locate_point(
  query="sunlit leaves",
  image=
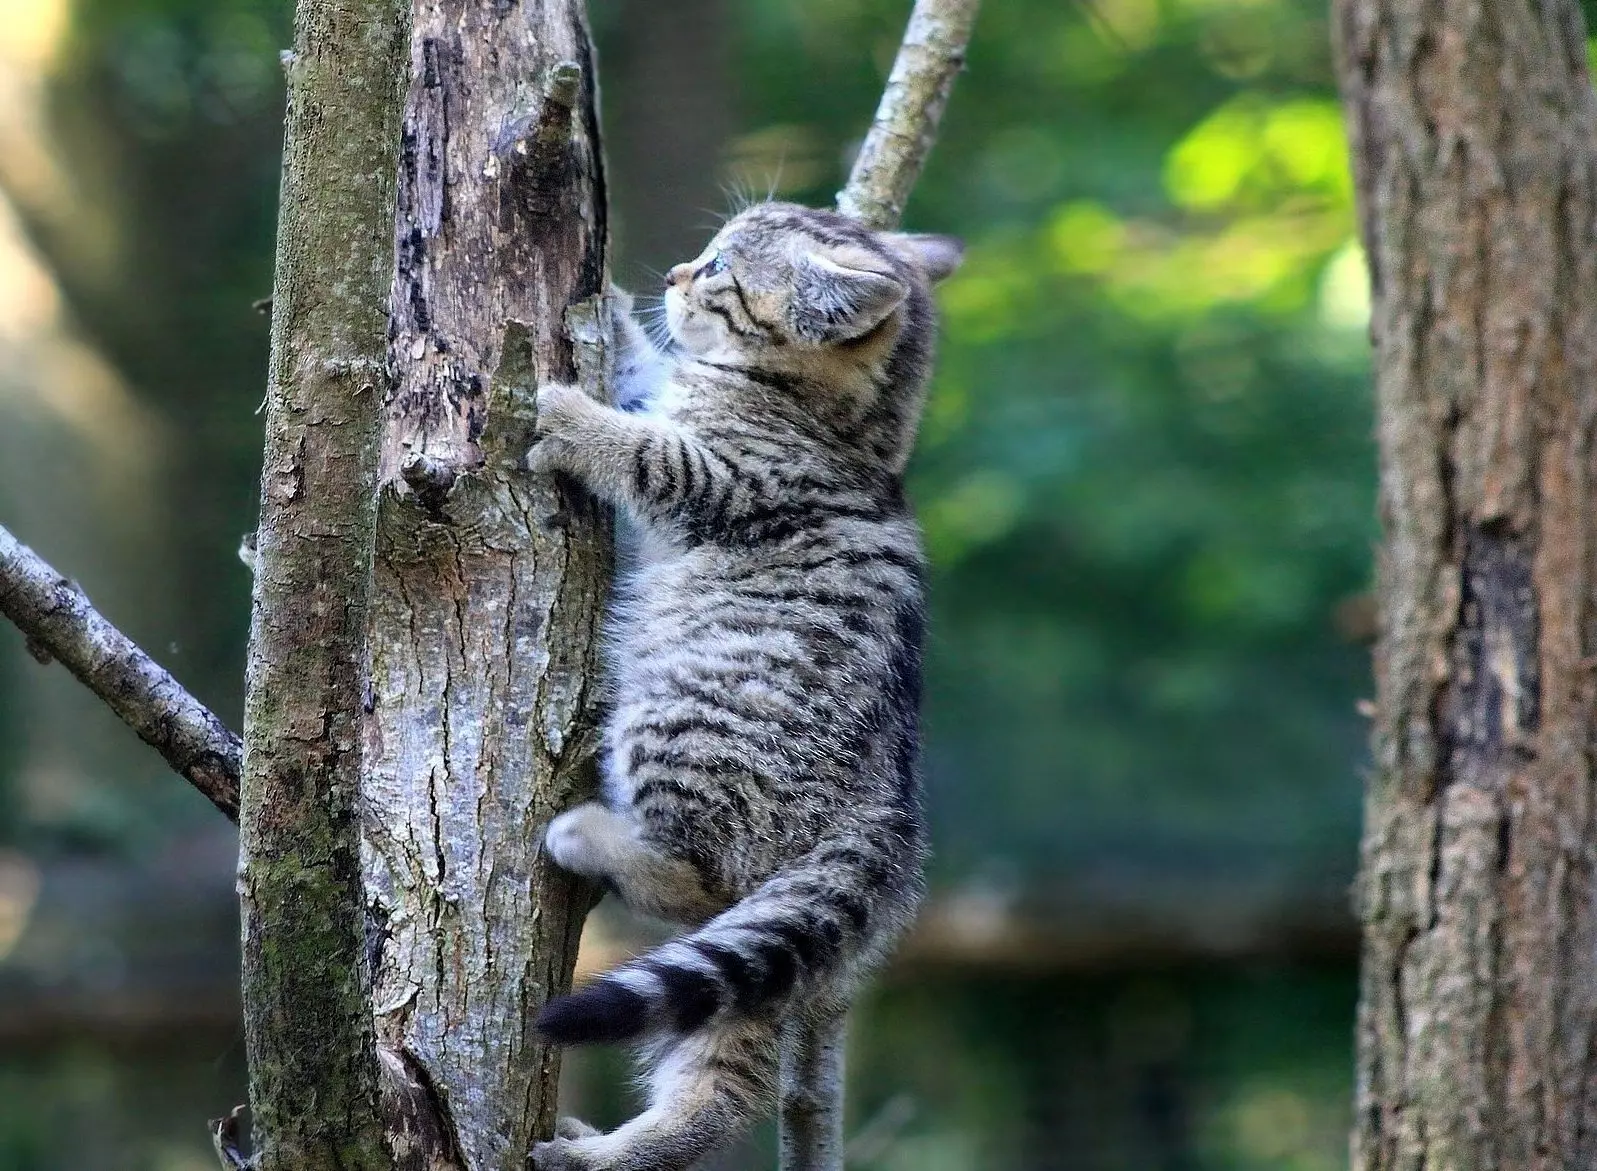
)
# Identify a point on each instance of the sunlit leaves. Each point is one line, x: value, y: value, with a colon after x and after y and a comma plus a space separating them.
x: 1254, y: 153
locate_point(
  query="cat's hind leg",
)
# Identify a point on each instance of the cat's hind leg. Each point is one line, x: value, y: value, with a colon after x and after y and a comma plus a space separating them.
x: 598, y: 843
x: 704, y: 1090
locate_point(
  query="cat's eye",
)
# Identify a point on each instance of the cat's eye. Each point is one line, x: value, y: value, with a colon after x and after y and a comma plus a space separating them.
x: 711, y: 267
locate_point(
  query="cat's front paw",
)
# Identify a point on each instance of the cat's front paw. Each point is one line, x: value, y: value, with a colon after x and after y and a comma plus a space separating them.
x: 559, y: 415
x: 575, y: 1147
x: 560, y: 410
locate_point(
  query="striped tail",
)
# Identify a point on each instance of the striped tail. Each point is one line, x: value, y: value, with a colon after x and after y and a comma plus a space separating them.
x: 800, y: 929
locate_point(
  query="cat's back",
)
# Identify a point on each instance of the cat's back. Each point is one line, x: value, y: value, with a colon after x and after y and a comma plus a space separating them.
x: 781, y: 656
x: 839, y: 587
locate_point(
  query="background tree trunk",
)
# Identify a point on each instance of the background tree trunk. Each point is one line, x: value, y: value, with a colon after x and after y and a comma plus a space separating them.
x: 489, y: 584
x: 1474, y: 132
x: 666, y: 129
x: 307, y: 1009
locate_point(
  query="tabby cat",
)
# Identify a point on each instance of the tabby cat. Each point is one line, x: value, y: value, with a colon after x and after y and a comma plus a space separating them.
x: 760, y: 756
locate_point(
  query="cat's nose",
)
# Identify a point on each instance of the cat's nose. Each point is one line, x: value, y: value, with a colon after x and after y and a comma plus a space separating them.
x: 678, y: 274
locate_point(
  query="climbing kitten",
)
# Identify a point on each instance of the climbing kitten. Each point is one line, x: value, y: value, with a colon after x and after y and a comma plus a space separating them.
x: 760, y: 774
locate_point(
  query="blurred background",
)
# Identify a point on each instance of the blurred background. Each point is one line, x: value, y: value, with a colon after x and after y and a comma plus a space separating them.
x: 1146, y: 477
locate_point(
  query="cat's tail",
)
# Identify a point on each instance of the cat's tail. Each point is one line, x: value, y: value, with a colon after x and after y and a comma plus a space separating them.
x: 815, y: 925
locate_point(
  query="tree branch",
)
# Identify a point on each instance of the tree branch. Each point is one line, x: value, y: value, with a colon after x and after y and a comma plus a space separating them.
x: 889, y: 162
x: 59, y: 623
x: 811, y: 1102
x: 901, y: 136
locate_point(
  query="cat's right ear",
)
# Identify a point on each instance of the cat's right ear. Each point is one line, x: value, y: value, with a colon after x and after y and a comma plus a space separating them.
x: 937, y: 256
x: 833, y: 302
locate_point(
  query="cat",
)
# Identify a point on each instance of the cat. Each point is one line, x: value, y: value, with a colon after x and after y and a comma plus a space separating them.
x: 760, y: 771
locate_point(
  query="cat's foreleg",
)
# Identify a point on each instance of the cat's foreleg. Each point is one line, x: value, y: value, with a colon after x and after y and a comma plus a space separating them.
x: 648, y: 465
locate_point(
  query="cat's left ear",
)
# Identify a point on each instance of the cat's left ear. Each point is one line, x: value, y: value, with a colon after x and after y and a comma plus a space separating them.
x: 937, y: 256
x: 835, y: 303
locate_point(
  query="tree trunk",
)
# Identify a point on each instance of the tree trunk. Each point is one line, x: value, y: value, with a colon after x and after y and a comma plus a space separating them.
x: 1474, y: 133
x: 489, y: 582
x: 307, y: 1011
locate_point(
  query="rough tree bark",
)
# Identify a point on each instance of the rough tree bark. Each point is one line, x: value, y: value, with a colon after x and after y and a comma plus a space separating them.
x: 489, y: 582
x: 307, y: 1011
x: 1474, y: 132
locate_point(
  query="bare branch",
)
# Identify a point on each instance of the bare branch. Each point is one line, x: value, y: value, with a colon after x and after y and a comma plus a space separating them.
x: 812, y: 1093
x: 889, y: 162
x: 901, y: 136
x: 60, y: 623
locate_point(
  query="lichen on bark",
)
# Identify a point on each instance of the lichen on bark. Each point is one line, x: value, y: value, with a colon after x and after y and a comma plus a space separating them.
x: 308, y: 1024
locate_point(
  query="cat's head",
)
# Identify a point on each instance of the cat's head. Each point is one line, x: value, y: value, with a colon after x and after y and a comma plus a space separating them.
x: 779, y: 280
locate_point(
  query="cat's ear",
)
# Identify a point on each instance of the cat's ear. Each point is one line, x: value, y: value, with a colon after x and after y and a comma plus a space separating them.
x: 835, y: 303
x: 937, y: 256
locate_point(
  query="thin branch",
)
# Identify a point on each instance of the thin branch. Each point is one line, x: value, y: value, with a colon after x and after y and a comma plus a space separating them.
x: 811, y: 1103
x: 59, y: 623
x: 889, y: 162
x: 901, y: 136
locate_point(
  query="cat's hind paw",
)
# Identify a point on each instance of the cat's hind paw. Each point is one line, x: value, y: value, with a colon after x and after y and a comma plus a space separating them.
x: 573, y: 1153
x: 580, y: 840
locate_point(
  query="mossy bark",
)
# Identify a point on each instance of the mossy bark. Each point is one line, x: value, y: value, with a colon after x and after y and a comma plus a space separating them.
x: 308, y: 1022
x: 1474, y: 132
x: 489, y: 581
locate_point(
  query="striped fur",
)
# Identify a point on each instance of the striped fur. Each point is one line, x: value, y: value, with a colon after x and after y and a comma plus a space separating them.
x: 760, y: 756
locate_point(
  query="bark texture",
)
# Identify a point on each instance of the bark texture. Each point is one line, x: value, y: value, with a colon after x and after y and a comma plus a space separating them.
x: 60, y: 624
x: 811, y: 1077
x: 308, y: 1021
x: 1474, y: 132
x: 489, y: 582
